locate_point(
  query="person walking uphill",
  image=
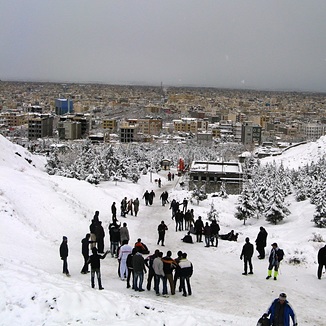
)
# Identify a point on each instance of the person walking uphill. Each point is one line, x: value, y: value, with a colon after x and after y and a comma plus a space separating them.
x: 136, y: 206
x: 321, y: 261
x: 64, y: 255
x: 161, y: 232
x: 246, y: 254
x: 281, y: 311
x: 95, y: 262
x: 146, y: 197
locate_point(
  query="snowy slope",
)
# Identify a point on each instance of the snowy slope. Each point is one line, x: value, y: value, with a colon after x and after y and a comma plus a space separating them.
x: 36, y: 210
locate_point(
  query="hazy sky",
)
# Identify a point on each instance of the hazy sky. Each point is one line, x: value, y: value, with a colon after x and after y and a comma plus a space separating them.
x: 261, y: 44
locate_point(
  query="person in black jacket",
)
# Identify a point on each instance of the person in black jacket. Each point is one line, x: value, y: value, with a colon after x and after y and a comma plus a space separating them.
x: 95, y: 262
x: 130, y: 268
x: 64, y: 255
x: 199, y: 227
x: 114, y: 231
x: 215, y: 229
x: 161, y: 232
x: 261, y: 242
x: 100, y: 234
x: 114, y: 211
x: 321, y: 261
x: 168, y: 266
x: 85, y: 252
x: 246, y: 254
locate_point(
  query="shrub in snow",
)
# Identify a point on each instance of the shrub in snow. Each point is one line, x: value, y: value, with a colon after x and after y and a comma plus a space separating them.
x: 316, y: 237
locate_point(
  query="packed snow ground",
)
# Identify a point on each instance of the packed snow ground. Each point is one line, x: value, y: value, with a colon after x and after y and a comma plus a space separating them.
x: 36, y: 210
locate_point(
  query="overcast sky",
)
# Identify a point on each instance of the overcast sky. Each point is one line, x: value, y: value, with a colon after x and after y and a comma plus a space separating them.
x: 272, y: 44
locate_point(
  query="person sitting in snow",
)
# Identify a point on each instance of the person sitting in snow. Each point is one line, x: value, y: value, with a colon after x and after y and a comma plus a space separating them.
x: 141, y: 247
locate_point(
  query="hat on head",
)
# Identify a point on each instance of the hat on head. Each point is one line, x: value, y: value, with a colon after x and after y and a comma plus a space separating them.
x: 282, y: 296
x: 274, y: 244
x: 64, y: 238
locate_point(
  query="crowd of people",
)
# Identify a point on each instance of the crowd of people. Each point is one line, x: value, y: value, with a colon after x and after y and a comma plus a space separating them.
x: 166, y: 274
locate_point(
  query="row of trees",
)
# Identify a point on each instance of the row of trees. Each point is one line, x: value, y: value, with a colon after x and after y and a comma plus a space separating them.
x: 102, y: 162
x: 266, y: 187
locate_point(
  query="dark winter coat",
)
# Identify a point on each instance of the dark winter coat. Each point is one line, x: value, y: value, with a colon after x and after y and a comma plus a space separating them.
x: 199, y: 225
x: 215, y: 228
x: 138, y: 263
x: 136, y: 205
x: 162, y: 228
x: 95, y: 260
x: 261, y: 238
x: 129, y: 261
x: 168, y: 265
x: 113, y: 210
x: 64, y: 250
x: 284, y: 309
x: 85, y: 246
x: 322, y: 256
x: 114, y: 231
x: 247, y: 250
x: 100, y: 234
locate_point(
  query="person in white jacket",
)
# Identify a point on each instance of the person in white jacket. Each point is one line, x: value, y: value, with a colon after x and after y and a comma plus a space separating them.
x: 124, y: 251
x: 159, y: 275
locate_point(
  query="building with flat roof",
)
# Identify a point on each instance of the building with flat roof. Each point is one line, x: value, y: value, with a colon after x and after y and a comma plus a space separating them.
x: 40, y: 126
x: 212, y: 174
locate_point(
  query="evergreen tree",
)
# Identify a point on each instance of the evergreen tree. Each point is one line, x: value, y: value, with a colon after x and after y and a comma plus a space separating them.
x: 320, y: 215
x: 276, y: 209
x: 213, y: 213
x: 246, y: 206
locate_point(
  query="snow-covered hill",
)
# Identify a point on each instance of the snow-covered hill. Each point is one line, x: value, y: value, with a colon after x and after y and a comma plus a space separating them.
x: 36, y: 210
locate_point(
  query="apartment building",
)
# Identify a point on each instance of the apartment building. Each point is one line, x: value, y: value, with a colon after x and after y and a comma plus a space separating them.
x: 69, y: 130
x: 128, y: 132
x: 147, y: 126
x: 13, y: 119
x: 188, y: 125
x: 40, y: 126
x: 110, y: 124
x: 251, y: 133
x: 313, y: 131
x: 83, y: 119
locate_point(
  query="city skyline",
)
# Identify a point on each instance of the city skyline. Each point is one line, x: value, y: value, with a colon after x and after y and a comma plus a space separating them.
x: 224, y: 44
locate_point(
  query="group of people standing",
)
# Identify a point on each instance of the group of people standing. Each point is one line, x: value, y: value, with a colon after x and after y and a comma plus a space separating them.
x: 126, y: 206
x: 166, y: 269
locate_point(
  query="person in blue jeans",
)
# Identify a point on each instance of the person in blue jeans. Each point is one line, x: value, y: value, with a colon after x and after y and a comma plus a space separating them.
x: 138, y: 264
x: 159, y: 275
x: 185, y: 270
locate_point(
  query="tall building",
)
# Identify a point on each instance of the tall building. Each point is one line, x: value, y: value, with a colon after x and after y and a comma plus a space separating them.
x: 40, y: 126
x: 69, y: 130
x: 63, y: 106
x: 251, y: 133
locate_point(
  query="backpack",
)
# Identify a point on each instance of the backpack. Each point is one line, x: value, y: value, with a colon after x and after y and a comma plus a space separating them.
x: 280, y: 254
x: 263, y: 321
